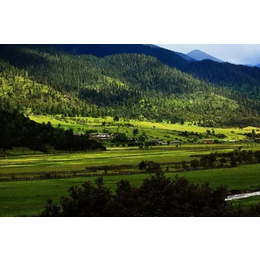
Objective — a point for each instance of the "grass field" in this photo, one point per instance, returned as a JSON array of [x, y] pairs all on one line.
[[151, 129], [29, 197], [114, 156], [247, 202]]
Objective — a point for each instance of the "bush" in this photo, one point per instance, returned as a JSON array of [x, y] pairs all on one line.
[[157, 196]]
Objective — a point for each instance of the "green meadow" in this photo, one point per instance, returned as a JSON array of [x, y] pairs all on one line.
[[162, 130], [28, 198], [114, 156]]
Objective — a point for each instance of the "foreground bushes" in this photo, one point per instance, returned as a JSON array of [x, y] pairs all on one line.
[[157, 196]]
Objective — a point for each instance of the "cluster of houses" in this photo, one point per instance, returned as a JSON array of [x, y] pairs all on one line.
[[107, 136], [208, 141], [102, 136]]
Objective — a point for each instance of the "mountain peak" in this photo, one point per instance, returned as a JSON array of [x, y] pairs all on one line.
[[200, 55]]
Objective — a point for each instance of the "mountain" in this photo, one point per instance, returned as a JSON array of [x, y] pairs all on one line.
[[20, 90], [200, 55], [152, 46], [251, 65], [243, 79], [184, 56], [236, 77], [56, 80], [168, 57]]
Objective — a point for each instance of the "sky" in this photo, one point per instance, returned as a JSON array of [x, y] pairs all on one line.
[[234, 53]]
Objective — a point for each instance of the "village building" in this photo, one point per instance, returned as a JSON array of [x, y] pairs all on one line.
[[208, 141], [175, 142], [93, 135], [101, 136], [157, 141], [104, 136]]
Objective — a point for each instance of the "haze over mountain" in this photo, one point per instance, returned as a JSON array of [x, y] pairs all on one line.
[[184, 56], [200, 55], [252, 65]]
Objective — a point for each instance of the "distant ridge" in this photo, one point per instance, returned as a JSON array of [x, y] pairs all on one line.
[[200, 55], [251, 65], [152, 46], [184, 56], [166, 56]]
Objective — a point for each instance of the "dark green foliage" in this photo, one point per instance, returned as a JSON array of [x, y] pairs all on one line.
[[233, 162], [241, 78], [19, 91], [157, 196], [194, 163], [16, 130], [116, 118], [223, 160], [101, 50], [208, 160], [142, 165], [254, 211], [56, 81], [135, 131]]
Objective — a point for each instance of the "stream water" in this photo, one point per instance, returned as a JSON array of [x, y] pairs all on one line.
[[243, 195]]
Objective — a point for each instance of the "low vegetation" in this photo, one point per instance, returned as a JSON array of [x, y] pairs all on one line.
[[158, 196]]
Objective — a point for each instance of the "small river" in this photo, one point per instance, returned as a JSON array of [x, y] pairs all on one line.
[[243, 195]]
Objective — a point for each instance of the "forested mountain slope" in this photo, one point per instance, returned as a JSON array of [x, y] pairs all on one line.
[[238, 77], [19, 91], [243, 79], [168, 57], [127, 85]]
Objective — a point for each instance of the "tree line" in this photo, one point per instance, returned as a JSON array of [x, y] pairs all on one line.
[[17, 130], [158, 196]]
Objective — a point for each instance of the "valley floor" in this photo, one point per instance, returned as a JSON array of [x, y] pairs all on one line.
[[28, 198], [114, 156], [28, 179]]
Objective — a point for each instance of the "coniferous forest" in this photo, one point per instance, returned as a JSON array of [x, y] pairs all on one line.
[[126, 110], [16, 130], [130, 81]]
